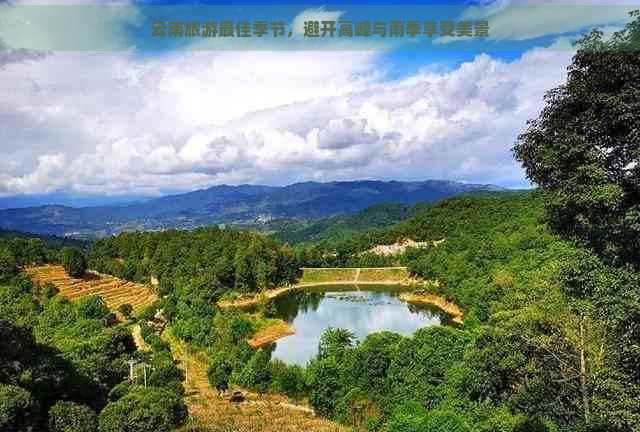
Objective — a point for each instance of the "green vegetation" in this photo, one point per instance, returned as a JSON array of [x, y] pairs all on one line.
[[74, 262], [332, 275], [222, 259], [583, 149], [71, 417], [549, 280], [549, 284], [60, 362], [50, 241], [341, 227]]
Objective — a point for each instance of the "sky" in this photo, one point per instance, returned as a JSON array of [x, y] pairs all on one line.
[[139, 123]]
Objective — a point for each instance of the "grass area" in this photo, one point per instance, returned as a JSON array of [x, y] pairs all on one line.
[[214, 413], [328, 275], [114, 291], [394, 274]]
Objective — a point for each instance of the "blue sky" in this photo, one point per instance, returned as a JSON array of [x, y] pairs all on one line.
[[126, 122]]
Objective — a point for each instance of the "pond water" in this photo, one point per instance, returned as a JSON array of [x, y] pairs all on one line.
[[363, 310]]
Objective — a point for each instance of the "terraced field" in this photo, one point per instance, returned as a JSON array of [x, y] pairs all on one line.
[[114, 291]]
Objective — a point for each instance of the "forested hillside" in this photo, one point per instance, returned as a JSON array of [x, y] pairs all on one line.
[[222, 259], [52, 242], [63, 365], [343, 226]]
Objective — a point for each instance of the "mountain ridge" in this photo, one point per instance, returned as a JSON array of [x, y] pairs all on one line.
[[223, 204]]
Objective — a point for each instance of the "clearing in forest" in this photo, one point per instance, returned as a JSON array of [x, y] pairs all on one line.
[[114, 291]]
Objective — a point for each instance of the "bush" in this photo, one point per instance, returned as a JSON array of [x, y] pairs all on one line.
[[49, 291], [126, 310], [74, 262], [144, 410], [256, 374], [8, 266], [219, 372], [18, 410], [407, 417], [288, 380], [324, 383], [119, 391], [92, 307], [71, 417]]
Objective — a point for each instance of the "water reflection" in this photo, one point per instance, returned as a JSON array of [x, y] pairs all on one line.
[[362, 312]]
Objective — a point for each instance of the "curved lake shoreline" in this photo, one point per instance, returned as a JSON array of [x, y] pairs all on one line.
[[362, 310]]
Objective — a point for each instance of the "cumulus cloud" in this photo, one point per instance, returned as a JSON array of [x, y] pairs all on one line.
[[117, 123], [520, 20]]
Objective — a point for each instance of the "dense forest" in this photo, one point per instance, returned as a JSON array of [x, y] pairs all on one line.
[[341, 227], [222, 259]]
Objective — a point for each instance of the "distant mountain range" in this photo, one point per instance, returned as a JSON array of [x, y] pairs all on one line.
[[236, 205]]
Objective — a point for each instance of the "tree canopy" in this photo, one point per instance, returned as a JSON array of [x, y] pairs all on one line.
[[584, 148]]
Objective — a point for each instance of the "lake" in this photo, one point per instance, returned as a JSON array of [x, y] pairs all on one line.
[[363, 310]]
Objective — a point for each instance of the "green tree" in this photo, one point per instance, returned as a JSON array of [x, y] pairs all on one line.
[[49, 291], [288, 380], [407, 417], [71, 417], [8, 266], [219, 372], [126, 310], [74, 262], [334, 342], [256, 374], [144, 410], [583, 148], [324, 379], [92, 307], [18, 409]]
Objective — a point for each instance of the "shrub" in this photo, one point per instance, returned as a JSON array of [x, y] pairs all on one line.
[[18, 410], [144, 410], [119, 390], [407, 417], [324, 383], [92, 307], [288, 380], [126, 310], [8, 266], [74, 262], [49, 291], [72, 417], [256, 374], [219, 372]]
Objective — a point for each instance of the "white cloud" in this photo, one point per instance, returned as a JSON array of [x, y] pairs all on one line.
[[520, 20], [319, 14], [115, 123]]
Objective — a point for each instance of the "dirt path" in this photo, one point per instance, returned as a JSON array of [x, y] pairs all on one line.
[[138, 340], [355, 278], [268, 413]]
